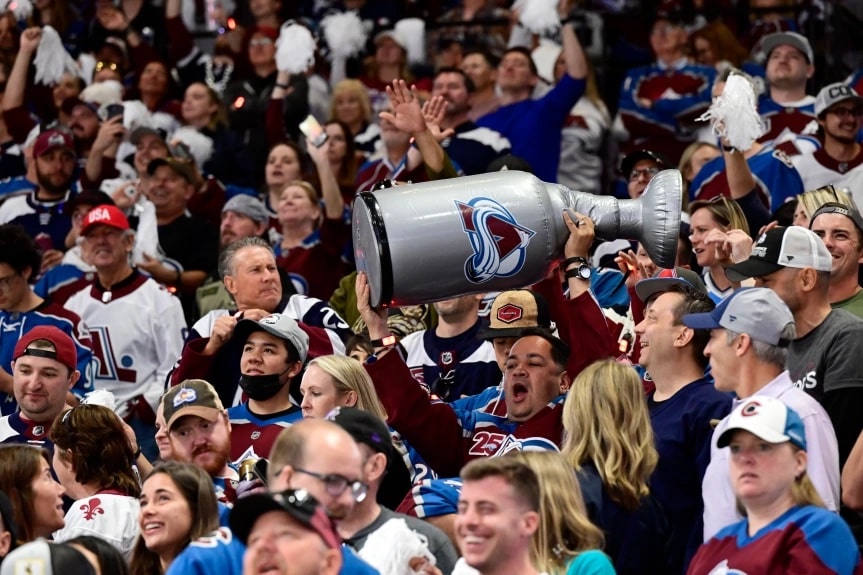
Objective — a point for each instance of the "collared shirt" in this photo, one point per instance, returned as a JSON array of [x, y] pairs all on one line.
[[720, 509]]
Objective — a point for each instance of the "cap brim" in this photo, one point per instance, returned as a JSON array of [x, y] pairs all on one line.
[[700, 321], [209, 413], [750, 269], [646, 288], [491, 333], [246, 327], [246, 512], [764, 435]]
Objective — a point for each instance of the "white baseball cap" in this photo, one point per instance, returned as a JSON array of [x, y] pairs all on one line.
[[766, 418]]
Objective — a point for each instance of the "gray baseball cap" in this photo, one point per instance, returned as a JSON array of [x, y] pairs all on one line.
[[799, 41], [279, 325], [757, 312], [248, 206]]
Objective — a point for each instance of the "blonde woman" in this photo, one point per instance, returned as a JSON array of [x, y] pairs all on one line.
[[608, 440], [566, 541], [720, 237], [351, 105], [332, 381], [787, 529], [808, 203]]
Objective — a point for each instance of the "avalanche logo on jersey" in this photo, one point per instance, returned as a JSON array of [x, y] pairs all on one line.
[[499, 243]]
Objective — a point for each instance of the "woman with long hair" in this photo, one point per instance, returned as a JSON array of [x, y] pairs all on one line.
[[332, 381], [608, 440], [786, 527], [178, 505], [313, 237], [93, 461], [203, 109], [37, 499], [351, 105], [105, 558], [344, 158], [808, 203], [567, 541], [714, 226], [285, 164]]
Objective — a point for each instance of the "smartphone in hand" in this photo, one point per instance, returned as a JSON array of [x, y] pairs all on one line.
[[313, 130], [113, 110]]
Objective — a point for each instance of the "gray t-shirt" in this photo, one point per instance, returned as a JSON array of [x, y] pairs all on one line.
[[828, 358], [438, 543]]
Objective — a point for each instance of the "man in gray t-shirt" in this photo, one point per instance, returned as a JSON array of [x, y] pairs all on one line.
[[368, 517]]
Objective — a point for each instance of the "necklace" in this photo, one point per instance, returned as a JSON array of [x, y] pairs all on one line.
[[210, 78]]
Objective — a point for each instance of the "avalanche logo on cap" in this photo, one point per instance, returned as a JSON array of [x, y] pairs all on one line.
[[185, 395], [751, 408], [499, 243], [509, 313], [271, 319]]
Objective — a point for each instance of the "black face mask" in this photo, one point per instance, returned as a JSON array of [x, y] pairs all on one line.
[[262, 387]]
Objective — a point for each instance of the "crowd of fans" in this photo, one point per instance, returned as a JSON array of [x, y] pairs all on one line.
[[193, 378]]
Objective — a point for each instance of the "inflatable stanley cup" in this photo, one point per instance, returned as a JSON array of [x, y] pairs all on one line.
[[498, 231]]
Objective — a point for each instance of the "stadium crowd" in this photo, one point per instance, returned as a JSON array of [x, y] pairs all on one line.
[[193, 378]]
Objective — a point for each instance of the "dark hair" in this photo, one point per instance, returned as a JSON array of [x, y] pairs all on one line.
[[520, 477], [347, 175], [91, 438], [694, 301], [19, 251], [19, 466], [490, 58], [468, 83], [526, 53], [359, 341], [111, 561], [560, 351], [196, 487]]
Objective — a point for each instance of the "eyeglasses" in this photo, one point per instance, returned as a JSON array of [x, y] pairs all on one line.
[[100, 65], [336, 484], [855, 112], [260, 41], [649, 172]]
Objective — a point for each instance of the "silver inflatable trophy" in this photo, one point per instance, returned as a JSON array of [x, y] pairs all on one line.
[[497, 231]]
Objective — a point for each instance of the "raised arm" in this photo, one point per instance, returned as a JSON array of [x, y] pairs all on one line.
[[407, 116], [333, 203], [16, 83]]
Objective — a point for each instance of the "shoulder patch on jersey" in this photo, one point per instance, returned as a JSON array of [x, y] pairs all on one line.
[[783, 157]]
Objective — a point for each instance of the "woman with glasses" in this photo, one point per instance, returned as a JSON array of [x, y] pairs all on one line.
[[178, 506], [93, 461], [37, 499], [720, 237]]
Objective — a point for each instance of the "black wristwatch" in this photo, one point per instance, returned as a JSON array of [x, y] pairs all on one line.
[[582, 272]]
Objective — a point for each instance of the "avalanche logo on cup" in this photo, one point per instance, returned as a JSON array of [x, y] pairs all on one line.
[[499, 243]]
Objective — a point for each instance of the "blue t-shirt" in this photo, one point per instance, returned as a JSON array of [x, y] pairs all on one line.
[[533, 127], [593, 562]]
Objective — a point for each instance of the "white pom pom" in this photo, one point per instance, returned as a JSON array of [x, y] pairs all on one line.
[[22, 9], [345, 34], [187, 13], [52, 60], [103, 93], [734, 114], [390, 548], [101, 397], [136, 115], [86, 67], [413, 32], [538, 16], [164, 121], [295, 49], [200, 146]]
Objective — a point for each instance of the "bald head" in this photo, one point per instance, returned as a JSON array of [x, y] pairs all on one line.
[[310, 436]]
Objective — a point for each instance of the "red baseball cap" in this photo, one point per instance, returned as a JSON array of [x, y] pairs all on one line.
[[107, 215], [50, 139], [64, 347]]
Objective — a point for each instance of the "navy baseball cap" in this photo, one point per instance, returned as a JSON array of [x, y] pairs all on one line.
[[665, 278], [757, 312]]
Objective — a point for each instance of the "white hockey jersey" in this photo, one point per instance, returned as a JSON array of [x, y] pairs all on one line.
[[110, 516], [819, 169], [137, 330]]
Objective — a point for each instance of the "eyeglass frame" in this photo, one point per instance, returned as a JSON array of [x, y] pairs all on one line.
[[651, 171], [359, 490]]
